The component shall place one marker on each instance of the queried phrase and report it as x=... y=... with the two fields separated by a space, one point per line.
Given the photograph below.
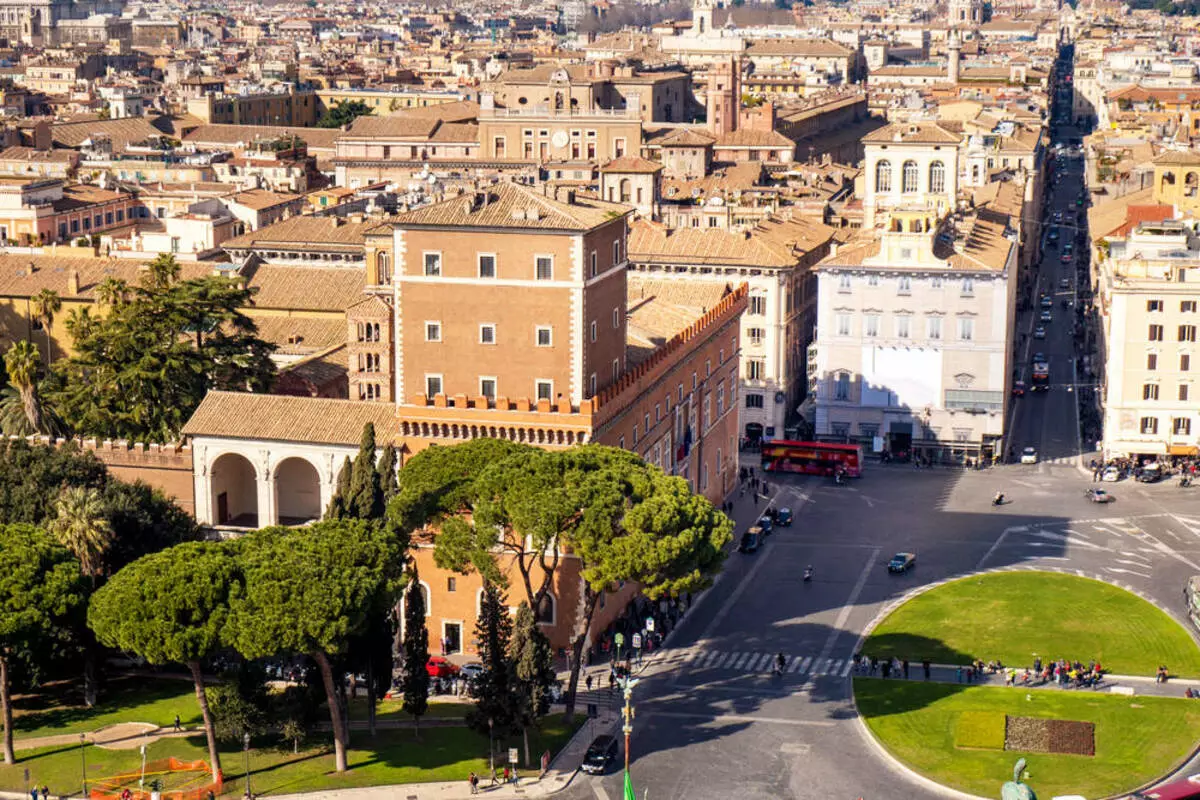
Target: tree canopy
x=140 y=371
x=171 y=607
x=344 y=113
x=40 y=585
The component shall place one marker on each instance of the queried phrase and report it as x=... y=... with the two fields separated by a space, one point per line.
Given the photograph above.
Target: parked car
x=441 y=667
x=1029 y=455
x=765 y=523
x=1111 y=475
x=1046 y=317
x=902 y=562
x=751 y=540
x=472 y=671
x=1149 y=474
x=785 y=517
x=1039 y=332
x=601 y=753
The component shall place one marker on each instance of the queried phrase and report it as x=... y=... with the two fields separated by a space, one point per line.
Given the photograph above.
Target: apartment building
x=913 y=337
x=1149 y=288
x=910 y=166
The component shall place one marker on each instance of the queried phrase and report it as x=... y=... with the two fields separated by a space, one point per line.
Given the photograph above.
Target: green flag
x=629 y=794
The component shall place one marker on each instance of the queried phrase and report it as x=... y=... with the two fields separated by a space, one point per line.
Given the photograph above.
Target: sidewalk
x=1110 y=684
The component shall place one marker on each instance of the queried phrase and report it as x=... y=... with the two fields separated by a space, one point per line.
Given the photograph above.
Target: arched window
x=937 y=178
x=908 y=181
x=625 y=190
x=883 y=177
x=546 y=609
x=383 y=268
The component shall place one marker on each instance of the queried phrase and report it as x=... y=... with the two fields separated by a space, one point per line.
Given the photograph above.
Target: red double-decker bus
x=812 y=458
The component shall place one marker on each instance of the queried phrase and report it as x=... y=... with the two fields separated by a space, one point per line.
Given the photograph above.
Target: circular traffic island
x=1077 y=741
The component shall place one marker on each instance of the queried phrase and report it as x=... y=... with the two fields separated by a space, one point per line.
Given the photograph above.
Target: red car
x=1182 y=789
x=440 y=667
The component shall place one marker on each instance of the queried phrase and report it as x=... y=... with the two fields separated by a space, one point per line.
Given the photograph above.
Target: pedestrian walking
x=958 y=674
x=925 y=666
x=178 y=726
x=493 y=776
x=904 y=665
x=474 y=782
x=588 y=682
x=506 y=774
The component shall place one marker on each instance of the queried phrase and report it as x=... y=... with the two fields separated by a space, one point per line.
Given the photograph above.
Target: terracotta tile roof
x=511 y=205
x=315 y=138
x=752 y=138
x=305 y=232
x=685 y=137
x=280 y=418
x=309 y=288
x=320 y=369
x=50 y=272
x=456 y=132
x=631 y=164
x=772 y=243
x=29 y=154
x=396 y=125
x=458 y=111
x=258 y=199
x=657 y=310
x=311 y=334
x=911 y=132
x=817 y=48
x=1137 y=214
x=122 y=131
x=1109 y=214
x=1178 y=158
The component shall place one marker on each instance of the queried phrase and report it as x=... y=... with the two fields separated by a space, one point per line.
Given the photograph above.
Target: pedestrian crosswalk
x=1062 y=461
x=696 y=659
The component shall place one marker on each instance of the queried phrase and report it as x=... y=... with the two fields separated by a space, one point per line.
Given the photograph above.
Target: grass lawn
x=394 y=709
x=1011 y=616
x=59 y=709
x=1137 y=738
x=395 y=756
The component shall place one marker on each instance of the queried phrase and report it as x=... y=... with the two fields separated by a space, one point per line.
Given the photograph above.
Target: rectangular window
x=757 y=305
x=902 y=326
x=487 y=265
x=872 y=280
x=1185 y=362
x=616 y=318
x=936 y=282
x=871 y=325
x=433 y=385
x=841 y=386
x=594 y=270
x=843 y=324
x=592 y=384
x=433 y=331
x=592 y=330
x=754 y=401
x=755 y=369
x=1182 y=426
x=1150 y=391
x=616 y=370
x=1187 y=333
x=905 y=285
x=1187 y=305
x=1183 y=391
x=433 y=264
x=616 y=252
x=1149 y=425
x=755 y=335
x=966 y=329
x=1156 y=333
x=545 y=336
x=487 y=333
x=968 y=286
x=545 y=268
x=487 y=387
x=1154 y=305
x=844 y=282
x=451 y=584
x=933 y=326
x=1152 y=361
x=544 y=390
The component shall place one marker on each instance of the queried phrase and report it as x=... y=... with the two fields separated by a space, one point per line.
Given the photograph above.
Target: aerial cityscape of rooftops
x=642 y=399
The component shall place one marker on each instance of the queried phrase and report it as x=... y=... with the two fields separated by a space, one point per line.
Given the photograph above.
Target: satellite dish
x=559 y=139
x=431 y=179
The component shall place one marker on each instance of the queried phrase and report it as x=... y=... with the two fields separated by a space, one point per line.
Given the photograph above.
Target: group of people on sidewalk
x=869 y=665
x=510 y=776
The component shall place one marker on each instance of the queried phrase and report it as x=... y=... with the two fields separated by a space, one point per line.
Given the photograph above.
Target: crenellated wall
x=165 y=467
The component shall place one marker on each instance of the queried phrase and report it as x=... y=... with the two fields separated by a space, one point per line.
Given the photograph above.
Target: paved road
x=713 y=723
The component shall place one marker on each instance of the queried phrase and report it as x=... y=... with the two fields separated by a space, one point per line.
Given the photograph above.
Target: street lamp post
x=491 y=750
x=83 y=758
x=627 y=683
x=246 y=752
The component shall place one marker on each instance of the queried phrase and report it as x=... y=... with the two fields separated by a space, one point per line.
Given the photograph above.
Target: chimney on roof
x=571 y=197
x=32 y=267
x=72 y=282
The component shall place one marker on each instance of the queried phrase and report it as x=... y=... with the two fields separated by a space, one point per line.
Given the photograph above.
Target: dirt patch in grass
x=1061 y=736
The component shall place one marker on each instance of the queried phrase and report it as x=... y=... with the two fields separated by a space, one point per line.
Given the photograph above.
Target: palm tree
x=46 y=304
x=21 y=361
x=112 y=291
x=81 y=525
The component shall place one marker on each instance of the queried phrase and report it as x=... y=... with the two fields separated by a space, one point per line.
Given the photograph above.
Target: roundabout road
x=711 y=720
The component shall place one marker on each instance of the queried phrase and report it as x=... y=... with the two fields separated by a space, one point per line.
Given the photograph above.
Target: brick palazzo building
x=502 y=313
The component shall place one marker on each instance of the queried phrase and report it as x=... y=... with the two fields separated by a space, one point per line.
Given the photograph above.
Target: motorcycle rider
x=808 y=573
x=780 y=660
x=998 y=499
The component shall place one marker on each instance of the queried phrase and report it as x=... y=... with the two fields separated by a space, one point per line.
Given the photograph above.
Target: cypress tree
x=531 y=660
x=416 y=651
x=388 y=483
x=495 y=701
x=337 y=504
x=365 y=500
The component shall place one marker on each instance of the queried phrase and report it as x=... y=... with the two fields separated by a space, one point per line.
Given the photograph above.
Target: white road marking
x=1124 y=572
x=795 y=665
x=598 y=790
x=807 y=661
x=741 y=661
x=713 y=656
x=1131 y=563
x=844 y=614
x=999 y=540
x=761 y=663
x=846 y=670
x=819 y=723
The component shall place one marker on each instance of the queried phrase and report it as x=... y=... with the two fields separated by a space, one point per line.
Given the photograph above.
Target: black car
x=749 y=543
x=600 y=754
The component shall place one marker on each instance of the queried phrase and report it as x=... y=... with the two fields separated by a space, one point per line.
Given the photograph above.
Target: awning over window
x=1182 y=450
